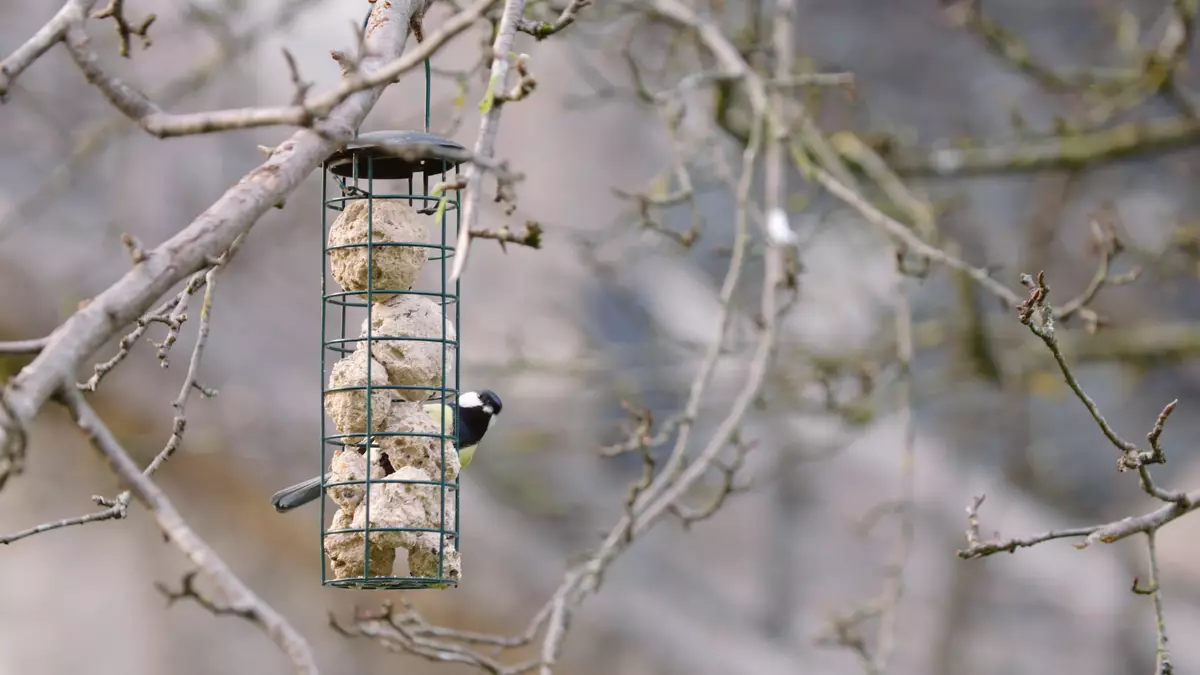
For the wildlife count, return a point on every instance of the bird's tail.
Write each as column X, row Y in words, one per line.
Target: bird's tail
column 298, row 494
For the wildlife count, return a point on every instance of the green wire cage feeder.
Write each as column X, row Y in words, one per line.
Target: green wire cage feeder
column 389, row 353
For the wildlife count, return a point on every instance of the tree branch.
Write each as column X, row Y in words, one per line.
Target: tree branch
column 213, row 232
column 375, row 72
column 241, row 599
column 117, row 510
column 72, row 13
column 489, row 126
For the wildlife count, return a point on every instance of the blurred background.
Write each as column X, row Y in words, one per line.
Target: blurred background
column 608, row 311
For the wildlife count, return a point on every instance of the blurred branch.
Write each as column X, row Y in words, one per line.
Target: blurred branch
column 409, row 632
column 1162, row 656
column 116, row 509
column 171, row 314
column 906, row 236
column 187, row 590
column 529, row 236
column 116, row 11
column 541, row 30
column 1038, row 153
column 242, row 600
column 1081, row 144
column 1009, row 48
column 886, row 607
column 73, row 12
column 1155, row 72
column 97, row 136
column 656, row 496
column 489, row 126
column 32, row 346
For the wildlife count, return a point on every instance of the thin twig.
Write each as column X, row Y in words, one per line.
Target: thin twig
column 117, row 510
column 72, row 13
column 171, row 314
column 541, row 30
column 116, row 11
column 32, row 346
column 179, row 423
column 188, row 591
column 1162, row 655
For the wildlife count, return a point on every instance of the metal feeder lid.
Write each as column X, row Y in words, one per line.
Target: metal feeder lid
column 396, row 154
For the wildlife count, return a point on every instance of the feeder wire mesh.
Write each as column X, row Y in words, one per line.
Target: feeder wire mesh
column 394, row 462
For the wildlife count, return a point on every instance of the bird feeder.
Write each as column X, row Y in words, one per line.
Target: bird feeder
column 389, row 346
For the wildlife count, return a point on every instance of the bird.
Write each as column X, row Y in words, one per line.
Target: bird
column 474, row 413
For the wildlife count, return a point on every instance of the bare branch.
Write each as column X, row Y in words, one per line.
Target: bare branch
column 179, row 423
column 978, row 547
column 116, row 509
column 410, row 633
column 95, row 137
column 31, row 346
column 116, row 11
column 908, row 238
column 1162, row 656
column 298, row 82
column 241, row 599
column 530, row 235
column 72, row 13
column 1038, row 153
column 212, row 232
column 489, row 126
column 188, row 591
column 171, row 314
column 541, row 30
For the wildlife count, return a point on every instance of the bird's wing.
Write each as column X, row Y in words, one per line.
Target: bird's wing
column 446, row 415
column 465, row 455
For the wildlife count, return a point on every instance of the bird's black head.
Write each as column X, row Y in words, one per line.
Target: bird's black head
column 484, row 400
column 491, row 400
column 477, row 411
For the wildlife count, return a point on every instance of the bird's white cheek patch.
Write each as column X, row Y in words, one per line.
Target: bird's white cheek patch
column 470, row 400
column 488, row 409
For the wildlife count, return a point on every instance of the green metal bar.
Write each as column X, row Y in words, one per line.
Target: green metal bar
column 370, row 331
column 324, row 327
column 343, row 344
column 442, row 288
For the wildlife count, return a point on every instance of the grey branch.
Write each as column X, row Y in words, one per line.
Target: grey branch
column 72, row 13
column 489, row 125
column 31, row 346
column 541, row 30
column 238, row 595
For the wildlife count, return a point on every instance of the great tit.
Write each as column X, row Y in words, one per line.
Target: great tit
column 473, row 415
